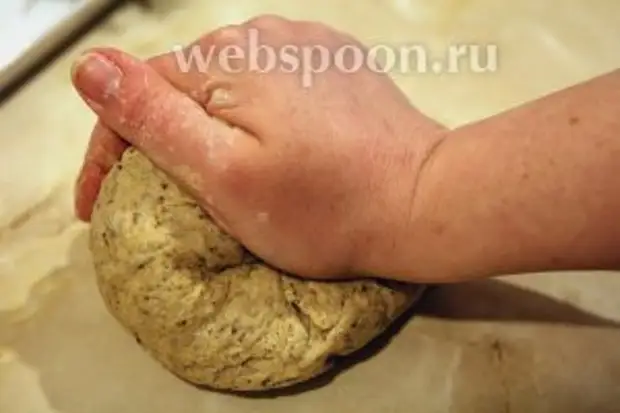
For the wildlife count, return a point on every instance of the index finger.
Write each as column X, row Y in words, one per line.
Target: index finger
column 104, row 149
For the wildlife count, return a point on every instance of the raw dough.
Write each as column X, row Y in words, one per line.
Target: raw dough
column 204, row 307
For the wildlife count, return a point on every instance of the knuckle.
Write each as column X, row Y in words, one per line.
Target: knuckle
column 317, row 29
column 268, row 21
column 227, row 35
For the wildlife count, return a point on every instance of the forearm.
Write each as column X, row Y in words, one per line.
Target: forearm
column 532, row 189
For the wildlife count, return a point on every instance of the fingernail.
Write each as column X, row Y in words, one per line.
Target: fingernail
column 96, row 77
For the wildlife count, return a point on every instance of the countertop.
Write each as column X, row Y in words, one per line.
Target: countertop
column 526, row 343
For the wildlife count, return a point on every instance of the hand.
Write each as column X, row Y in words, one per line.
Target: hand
column 315, row 179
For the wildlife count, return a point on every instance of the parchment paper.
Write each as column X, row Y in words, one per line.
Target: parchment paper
column 535, row 343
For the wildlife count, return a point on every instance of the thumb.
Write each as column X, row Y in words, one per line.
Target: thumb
column 170, row 128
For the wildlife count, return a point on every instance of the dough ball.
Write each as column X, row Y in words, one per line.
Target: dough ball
column 208, row 310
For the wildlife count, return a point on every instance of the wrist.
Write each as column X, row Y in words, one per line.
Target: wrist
column 384, row 250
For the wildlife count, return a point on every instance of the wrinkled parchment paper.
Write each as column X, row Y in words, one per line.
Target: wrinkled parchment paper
column 535, row 343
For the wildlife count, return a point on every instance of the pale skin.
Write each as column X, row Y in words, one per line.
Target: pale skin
column 347, row 178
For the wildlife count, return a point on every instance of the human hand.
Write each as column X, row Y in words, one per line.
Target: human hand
column 317, row 180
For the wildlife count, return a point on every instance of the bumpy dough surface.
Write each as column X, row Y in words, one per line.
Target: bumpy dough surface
column 208, row 310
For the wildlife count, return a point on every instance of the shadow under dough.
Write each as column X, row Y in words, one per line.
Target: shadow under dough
column 497, row 301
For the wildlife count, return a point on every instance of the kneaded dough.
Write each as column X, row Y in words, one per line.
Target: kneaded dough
column 208, row 310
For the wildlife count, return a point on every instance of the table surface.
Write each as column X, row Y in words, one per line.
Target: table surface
column 32, row 29
column 530, row 343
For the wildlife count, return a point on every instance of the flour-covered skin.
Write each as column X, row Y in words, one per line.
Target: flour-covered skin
column 310, row 179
